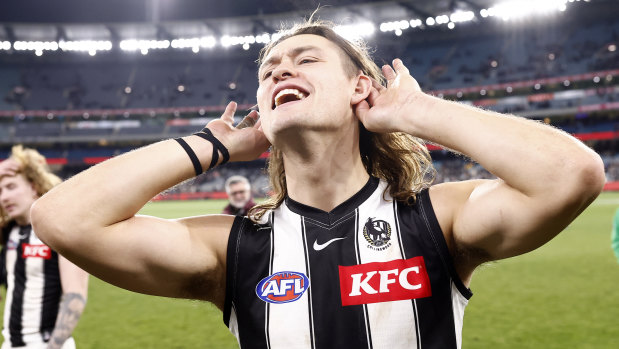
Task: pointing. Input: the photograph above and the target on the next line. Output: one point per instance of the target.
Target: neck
(324, 170)
(22, 221)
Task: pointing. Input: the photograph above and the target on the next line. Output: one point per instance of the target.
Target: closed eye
(266, 75)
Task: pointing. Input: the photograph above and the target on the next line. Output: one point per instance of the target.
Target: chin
(285, 126)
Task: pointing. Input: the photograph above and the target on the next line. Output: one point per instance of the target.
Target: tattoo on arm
(69, 312)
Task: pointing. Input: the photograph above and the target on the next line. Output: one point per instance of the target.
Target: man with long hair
(355, 248)
(46, 294)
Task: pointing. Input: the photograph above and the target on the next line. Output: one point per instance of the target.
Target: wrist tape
(217, 147)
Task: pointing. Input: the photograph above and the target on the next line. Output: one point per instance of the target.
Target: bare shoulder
(211, 231)
(448, 200)
(208, 236)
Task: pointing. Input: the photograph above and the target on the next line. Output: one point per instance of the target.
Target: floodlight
(357, 31)
(208, 41)
(524, 8)
(414, 23)
(263, 38)
(442, 19)
(462, 16)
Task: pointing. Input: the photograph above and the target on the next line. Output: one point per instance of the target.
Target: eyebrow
(295, 52)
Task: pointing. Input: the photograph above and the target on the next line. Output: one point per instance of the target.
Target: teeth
(288, 92)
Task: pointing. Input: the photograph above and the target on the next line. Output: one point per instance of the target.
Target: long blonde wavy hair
(33, 167)
(400, 159)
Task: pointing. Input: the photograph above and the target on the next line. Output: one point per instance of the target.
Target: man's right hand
(9, 167)
(243, 144)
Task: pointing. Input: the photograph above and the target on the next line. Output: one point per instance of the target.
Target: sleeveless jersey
(33, 288)
(372, 273)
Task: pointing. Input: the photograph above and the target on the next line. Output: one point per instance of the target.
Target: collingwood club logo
(377, 233)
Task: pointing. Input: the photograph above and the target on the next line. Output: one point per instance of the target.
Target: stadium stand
(82, 110)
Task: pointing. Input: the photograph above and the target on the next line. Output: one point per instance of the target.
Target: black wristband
(192, 155)
(217, 147)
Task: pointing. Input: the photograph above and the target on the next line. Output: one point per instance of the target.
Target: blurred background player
(239, 195)
(46, 293)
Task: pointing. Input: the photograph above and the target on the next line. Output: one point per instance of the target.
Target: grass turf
(563, 295)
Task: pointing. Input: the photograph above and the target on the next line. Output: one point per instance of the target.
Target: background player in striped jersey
(329, 121)
(46, 293)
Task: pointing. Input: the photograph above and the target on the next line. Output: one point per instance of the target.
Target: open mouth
(288, 95)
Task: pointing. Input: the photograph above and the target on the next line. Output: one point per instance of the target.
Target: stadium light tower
(509, 10)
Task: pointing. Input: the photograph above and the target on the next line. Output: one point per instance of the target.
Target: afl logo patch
(282, 287)
(377, 233)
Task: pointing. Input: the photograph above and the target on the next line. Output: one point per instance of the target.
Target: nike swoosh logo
(318, 247)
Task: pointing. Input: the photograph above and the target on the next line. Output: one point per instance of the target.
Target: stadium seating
(86, 111)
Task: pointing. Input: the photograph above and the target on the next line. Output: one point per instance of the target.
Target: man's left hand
(385, 107)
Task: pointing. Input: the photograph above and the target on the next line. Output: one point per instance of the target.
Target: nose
(283, 71)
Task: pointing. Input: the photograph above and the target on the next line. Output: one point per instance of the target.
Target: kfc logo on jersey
(37, 251)
(384, 281)
(282, 287)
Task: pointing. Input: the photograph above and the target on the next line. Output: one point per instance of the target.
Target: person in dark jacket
(239, 195)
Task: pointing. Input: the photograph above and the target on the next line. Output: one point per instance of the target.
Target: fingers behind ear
(228, 115)
(249, 120)
(399, 67)
(388, 72)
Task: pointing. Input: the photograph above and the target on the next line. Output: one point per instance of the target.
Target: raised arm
(91, 218)
(545, 176)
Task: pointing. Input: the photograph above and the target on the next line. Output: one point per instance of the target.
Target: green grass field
(563, 295)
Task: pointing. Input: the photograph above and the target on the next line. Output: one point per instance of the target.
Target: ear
(362, 89)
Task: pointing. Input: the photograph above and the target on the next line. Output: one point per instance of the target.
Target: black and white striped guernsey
(372, 273)
(33, 288)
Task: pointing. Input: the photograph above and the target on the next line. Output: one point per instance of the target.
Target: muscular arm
(97, 227)
(74, 292)
(546, 177)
